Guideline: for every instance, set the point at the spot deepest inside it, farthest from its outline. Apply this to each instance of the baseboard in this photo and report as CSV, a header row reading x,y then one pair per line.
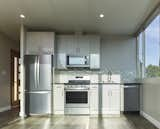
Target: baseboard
x,y
110,112
131,112
56,112
151,119
2,109
73,111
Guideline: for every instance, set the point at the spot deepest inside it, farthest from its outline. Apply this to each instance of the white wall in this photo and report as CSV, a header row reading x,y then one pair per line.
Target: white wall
x,y
118,54
5,46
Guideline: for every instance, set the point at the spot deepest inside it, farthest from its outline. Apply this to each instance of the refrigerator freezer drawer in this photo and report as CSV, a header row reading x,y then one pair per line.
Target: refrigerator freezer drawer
x,y
38,103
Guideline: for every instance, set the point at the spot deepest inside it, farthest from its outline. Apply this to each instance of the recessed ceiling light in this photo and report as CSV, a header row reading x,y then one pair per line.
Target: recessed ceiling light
x,y
22,16
101,15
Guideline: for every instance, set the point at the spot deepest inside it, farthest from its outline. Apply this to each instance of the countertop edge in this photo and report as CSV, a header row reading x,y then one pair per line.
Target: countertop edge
x,y
101,83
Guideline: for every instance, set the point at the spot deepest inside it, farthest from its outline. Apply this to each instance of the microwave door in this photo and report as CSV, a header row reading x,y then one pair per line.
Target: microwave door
x,y
76,61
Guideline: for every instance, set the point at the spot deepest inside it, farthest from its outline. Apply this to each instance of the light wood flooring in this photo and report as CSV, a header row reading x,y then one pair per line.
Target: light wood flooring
x,y
130,121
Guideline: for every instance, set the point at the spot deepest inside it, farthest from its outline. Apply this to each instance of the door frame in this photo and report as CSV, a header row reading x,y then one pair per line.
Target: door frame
x,y
13,53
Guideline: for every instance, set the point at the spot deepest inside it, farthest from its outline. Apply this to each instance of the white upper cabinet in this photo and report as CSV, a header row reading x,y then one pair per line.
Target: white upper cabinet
x,y
40,43
73,45
94,44
61,61
83,45
66,44
94,52
95,61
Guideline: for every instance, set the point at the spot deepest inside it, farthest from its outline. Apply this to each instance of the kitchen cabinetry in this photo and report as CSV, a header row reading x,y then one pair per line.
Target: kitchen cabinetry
x,y
78,45
58,99
40,43
110,99
94,100
73,45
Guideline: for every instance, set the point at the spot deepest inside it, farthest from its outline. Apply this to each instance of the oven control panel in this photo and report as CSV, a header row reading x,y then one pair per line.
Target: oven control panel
x,y
66,87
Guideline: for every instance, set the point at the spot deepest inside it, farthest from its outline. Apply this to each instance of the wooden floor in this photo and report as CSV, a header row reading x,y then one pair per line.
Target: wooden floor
x,y
82,122
8,116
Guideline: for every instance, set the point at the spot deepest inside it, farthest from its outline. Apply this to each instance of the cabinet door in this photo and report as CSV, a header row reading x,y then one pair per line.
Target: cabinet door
x,y
115,100
71,44
105,98
66,44
40,43
94,52
61,46
94,99
83,46
61,61
59,98
94,61
94,44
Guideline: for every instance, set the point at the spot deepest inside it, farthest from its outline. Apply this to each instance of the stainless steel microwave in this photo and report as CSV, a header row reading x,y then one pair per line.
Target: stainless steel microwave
x,y
77,61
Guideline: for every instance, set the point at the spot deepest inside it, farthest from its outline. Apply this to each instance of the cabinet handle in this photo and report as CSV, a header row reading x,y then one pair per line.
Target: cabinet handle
x,y
111,93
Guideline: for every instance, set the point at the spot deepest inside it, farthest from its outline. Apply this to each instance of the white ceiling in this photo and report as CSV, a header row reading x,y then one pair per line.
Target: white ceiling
x,y
121,17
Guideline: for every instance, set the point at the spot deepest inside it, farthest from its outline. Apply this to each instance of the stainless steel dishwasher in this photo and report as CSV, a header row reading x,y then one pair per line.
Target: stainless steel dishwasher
x,y
131,97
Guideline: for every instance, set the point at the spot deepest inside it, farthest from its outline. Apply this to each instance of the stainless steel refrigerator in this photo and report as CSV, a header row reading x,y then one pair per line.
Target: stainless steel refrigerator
x,y
38,83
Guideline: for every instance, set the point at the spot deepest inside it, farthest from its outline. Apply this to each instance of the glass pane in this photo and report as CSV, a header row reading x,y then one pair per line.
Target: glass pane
x,y
15,78
77,97
152,48
76,60
140,44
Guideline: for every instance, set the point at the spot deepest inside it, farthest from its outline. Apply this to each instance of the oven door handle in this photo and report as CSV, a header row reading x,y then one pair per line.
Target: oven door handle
x,y
76,89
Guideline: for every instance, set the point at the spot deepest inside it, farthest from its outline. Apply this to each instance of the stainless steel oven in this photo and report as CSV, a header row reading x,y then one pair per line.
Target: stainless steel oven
x,y
77,97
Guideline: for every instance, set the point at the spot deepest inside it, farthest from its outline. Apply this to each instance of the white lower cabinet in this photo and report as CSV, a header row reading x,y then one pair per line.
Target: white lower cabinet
x,y
110,99
104,99
94,99
58,99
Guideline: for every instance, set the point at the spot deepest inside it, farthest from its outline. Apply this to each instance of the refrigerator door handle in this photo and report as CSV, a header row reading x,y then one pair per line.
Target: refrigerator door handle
x,y
38,71
38,92
35,72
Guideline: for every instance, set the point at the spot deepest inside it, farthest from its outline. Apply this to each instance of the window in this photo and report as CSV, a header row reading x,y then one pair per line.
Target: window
x,y
152,48
140,57
140,47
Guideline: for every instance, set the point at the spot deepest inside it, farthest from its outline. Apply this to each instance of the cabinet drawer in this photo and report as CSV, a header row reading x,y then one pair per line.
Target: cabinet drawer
x,y
111,86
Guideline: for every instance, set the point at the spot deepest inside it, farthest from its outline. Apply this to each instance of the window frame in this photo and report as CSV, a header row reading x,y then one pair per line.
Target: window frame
x,y
142,74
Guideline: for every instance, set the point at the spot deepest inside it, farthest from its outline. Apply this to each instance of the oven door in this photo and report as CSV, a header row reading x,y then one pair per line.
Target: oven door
x,y
76,98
